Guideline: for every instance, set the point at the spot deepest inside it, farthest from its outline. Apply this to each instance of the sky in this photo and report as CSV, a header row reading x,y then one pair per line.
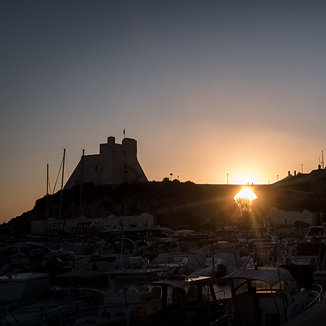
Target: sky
x,y
214,92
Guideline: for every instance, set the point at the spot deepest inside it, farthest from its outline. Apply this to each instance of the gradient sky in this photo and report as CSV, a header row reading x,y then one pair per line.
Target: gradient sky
x,y
213,91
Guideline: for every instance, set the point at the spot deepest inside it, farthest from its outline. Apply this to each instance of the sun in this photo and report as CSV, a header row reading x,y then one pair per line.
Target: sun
x,y
246,193
244,199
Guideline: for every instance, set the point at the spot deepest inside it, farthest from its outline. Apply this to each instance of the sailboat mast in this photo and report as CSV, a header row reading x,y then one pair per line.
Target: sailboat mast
x,y
81,184
47,192
62,178
46,198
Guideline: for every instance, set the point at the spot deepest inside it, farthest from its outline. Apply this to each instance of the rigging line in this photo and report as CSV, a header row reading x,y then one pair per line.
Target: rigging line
x,y
56,181
50,192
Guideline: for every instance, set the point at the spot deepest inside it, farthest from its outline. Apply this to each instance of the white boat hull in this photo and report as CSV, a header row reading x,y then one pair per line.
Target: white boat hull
x,y
23,286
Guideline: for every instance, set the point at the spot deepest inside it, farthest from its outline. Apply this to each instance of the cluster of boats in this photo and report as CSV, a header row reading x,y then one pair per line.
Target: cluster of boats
x,y
161,277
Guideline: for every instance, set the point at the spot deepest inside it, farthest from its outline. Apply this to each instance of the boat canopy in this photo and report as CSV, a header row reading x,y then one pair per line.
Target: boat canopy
x,y
270,275
182,281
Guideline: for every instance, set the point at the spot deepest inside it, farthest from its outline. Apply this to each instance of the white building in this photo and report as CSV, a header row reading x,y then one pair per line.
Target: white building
x,y
111,222
277,216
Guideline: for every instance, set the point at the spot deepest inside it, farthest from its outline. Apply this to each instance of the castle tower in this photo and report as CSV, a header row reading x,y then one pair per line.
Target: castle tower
x,y
115,164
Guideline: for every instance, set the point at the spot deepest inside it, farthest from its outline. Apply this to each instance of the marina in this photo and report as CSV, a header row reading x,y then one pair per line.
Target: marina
x,y
149,278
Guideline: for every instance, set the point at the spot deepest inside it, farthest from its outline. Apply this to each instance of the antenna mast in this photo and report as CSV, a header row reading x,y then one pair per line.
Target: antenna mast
x,y
322,159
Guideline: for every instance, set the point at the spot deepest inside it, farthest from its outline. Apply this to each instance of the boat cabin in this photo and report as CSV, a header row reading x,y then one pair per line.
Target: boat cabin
x,y
264,296
192,300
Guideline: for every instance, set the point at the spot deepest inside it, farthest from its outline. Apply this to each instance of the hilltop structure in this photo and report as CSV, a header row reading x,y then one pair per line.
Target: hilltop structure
x,y
115,164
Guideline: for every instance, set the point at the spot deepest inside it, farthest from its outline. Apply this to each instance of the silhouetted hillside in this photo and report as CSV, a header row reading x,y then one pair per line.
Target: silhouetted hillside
x,y
305,181
179,204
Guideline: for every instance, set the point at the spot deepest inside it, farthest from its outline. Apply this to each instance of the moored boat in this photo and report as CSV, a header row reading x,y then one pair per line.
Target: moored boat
x,y
267,296
184,300
21,286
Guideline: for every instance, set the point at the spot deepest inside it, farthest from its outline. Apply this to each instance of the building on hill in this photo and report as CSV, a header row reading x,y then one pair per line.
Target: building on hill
x,y
279,217
115,164
94,225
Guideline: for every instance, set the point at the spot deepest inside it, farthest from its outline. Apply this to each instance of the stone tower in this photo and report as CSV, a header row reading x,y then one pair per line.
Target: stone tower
x,y
116,163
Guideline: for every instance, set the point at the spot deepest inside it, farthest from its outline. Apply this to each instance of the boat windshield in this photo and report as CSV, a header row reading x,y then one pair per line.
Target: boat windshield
x,y
244,286
189,293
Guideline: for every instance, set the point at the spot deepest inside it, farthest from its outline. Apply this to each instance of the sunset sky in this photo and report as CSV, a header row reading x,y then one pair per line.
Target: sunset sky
x,y
213,91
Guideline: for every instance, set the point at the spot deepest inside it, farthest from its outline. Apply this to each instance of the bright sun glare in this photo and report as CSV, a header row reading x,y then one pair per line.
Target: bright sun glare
x,y
244,198
245,193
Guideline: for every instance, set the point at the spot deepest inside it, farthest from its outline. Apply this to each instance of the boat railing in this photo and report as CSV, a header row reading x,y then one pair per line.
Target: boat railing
x,y
222,315
67,312
205,313
10,306
316,294
14,312
115,311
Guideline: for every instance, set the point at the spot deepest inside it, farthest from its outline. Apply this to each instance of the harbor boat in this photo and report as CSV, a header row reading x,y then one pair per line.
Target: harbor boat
x,y
54,307
319,275
222,262
140,297
22,286
118,251
127,288
27,256
267,296
316,234
183,300
180,262
266,253
305,261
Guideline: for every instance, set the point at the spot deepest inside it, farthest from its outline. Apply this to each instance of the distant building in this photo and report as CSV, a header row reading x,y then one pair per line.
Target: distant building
x,y
109,223
116,163
281,217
